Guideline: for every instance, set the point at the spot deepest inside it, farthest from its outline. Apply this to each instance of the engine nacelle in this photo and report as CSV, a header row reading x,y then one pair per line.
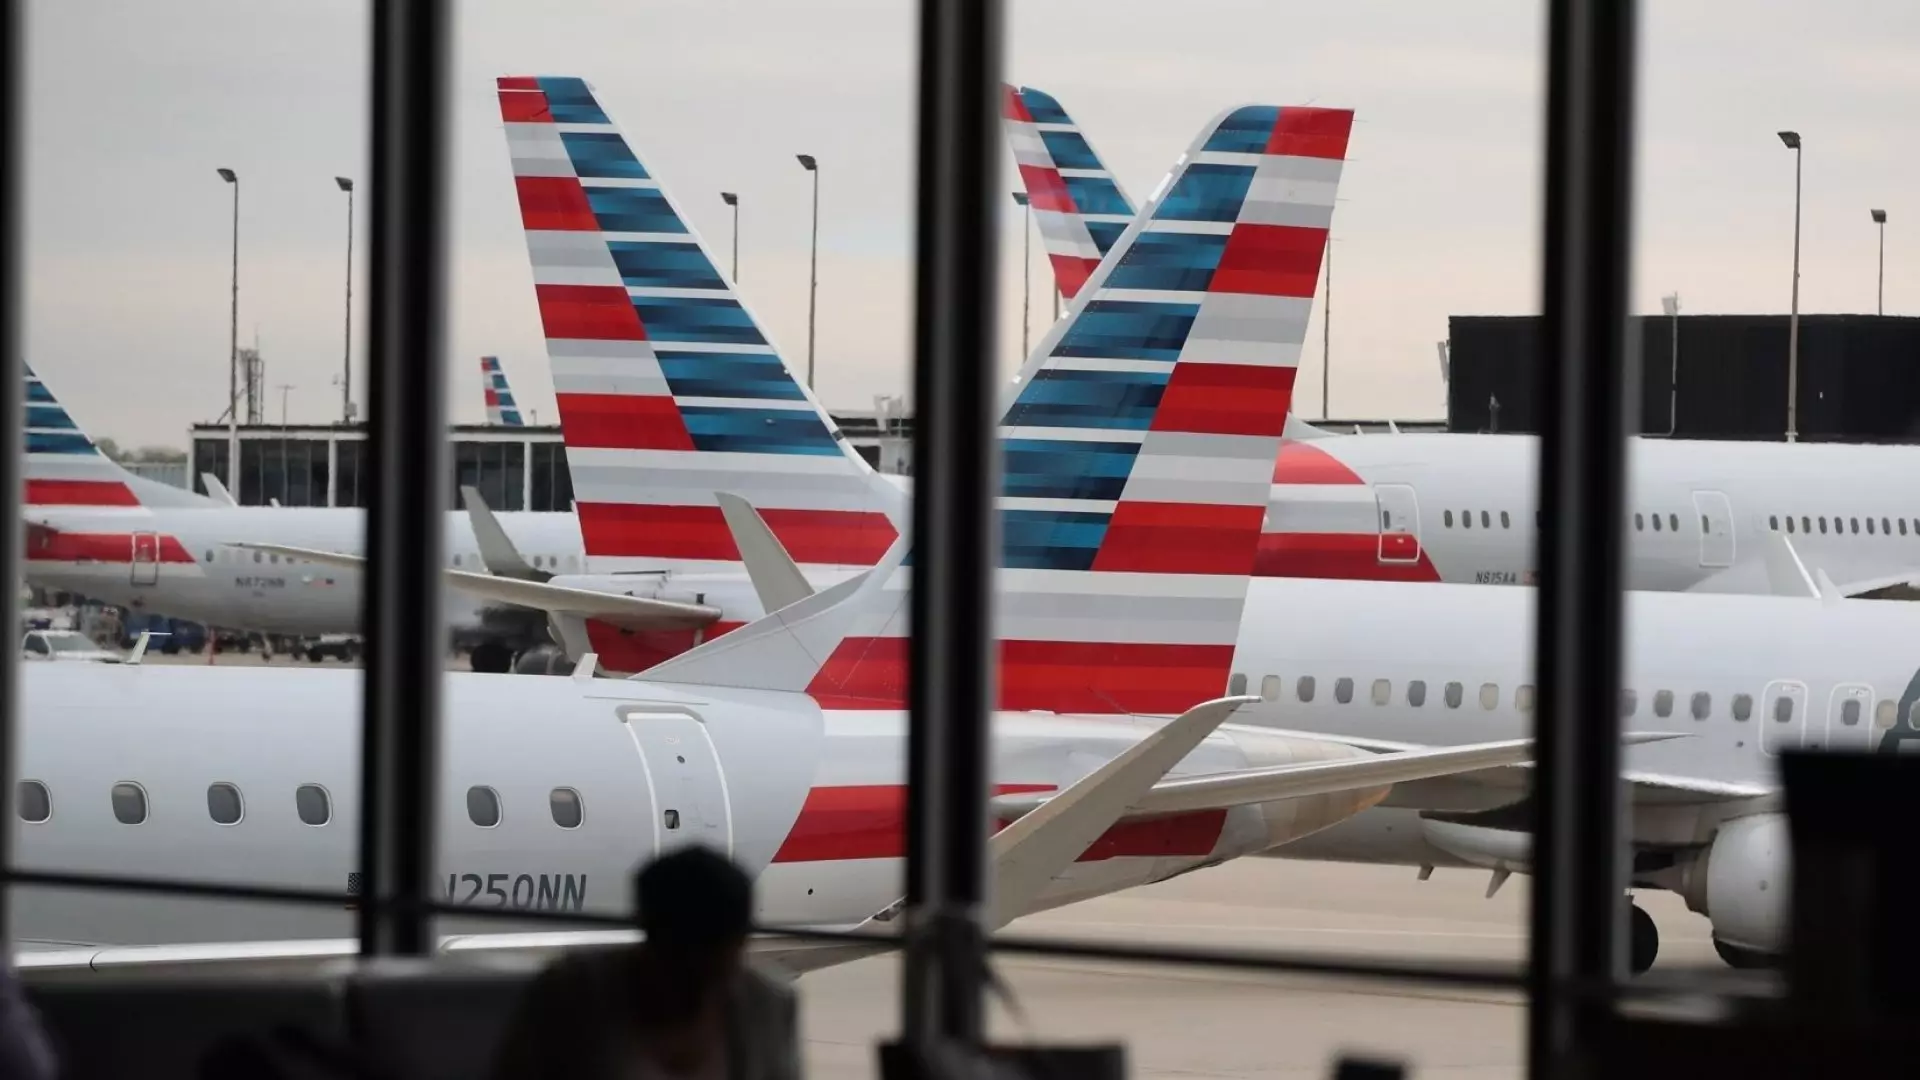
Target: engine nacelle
x,y
1740,883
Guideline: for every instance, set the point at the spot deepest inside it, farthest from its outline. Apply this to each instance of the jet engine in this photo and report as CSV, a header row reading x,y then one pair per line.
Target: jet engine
x,y
1740,883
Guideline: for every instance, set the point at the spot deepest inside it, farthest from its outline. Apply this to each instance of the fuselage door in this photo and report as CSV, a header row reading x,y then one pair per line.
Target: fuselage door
x,y
1783,716
1399,523
690,804
1715,512
146,558
1850,718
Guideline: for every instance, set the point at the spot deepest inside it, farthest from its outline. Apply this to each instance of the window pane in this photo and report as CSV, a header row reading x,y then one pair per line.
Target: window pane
x,y
1783,710
223,804
1629,702
36,802
1417,693
129,803
1663,703
1505,522
1673,522
1303,687
1446,517
1455,693
1640,522
1270,688
1850,712
564,803
1656,523
313,803
1343,690
1489,695
1523,698
1743,703
1885,713
1236,684
1702,705
483,806
1382,691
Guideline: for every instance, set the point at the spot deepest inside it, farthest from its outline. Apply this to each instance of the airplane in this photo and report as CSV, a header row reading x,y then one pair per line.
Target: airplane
x,y
501,411
780,743
1462,507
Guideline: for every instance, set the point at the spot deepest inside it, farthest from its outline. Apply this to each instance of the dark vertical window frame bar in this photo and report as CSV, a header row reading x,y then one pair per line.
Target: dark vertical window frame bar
x,y
13,415
406,449
955,521
1579,885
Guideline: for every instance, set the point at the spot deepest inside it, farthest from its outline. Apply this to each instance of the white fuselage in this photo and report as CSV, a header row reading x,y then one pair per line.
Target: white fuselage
x,y
551,791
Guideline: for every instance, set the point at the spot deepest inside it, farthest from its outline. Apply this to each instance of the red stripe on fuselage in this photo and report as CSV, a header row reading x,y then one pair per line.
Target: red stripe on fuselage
x,y
54,545
1340,556
80,493
868,821
1105,678
830,537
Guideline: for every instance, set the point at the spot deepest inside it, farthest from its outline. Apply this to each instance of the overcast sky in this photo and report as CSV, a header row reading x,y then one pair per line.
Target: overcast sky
x,y
134,104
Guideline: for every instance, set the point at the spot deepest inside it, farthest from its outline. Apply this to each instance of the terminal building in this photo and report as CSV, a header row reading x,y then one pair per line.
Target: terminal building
x,y
513,468
1710,376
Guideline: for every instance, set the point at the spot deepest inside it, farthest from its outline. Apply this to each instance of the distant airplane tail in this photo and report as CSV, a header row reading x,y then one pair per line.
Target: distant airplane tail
x,y
1137,455
65,468
501,410
668,389
1077,203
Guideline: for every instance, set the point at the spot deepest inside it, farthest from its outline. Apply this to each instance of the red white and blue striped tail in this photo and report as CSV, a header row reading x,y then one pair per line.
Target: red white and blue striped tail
x,y
501,408
65,468
667,387
1137,454
1077,204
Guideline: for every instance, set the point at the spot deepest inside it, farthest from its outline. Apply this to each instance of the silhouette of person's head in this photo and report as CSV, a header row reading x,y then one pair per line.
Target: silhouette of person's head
x,y
695,907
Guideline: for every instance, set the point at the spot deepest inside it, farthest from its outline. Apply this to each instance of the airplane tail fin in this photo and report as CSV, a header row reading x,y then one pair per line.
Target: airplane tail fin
x,y
64,467
1077,203
668,389
501,410
1137,457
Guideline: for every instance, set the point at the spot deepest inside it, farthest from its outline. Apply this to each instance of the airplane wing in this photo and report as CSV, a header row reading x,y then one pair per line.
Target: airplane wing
x,y
626,612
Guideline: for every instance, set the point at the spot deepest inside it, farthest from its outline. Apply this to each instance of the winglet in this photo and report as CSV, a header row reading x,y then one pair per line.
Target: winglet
x,y
584,670
1786,574
776,577
497,552
217,489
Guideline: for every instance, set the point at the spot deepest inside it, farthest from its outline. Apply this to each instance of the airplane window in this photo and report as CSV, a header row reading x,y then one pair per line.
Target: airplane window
x,y
1270,688
313,803
1236,684
1704,527
1869,526
1885,713
1773,522
1466,519
1673,522
1783,710
1806,524
1303,687
1386,520
1743,703
1663,703
209,556
1629,703
483,806
129,803
1453,694
1489,695
1789,522
256,556
1639,523
456,561
1823,525
672,818
1417,693
1656,523
1855,522
564,803
1702,706
1505,522
1446,518
223,804
38,647
1523,698
1886,527
1486,520
1382,691
1343,690
1850,712
36,802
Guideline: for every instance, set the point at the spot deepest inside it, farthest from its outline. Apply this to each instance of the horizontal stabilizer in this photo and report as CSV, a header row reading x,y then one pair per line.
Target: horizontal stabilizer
x,y
1243,787
626,612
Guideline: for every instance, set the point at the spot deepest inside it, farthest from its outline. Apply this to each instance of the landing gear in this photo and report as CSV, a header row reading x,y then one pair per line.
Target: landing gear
x,y
491,657
1643,939
1742,958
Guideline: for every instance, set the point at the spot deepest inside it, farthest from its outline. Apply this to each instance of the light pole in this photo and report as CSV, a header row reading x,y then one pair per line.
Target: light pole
x,y
1880,293
733,200
1672,305
233,339
1026,271
1792,141
813,259
283,388
1326,333
346,350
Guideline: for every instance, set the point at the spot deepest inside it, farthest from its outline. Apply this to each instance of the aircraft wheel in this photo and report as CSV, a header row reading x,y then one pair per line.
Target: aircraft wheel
x,y
1741,958
491,657
1643,940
